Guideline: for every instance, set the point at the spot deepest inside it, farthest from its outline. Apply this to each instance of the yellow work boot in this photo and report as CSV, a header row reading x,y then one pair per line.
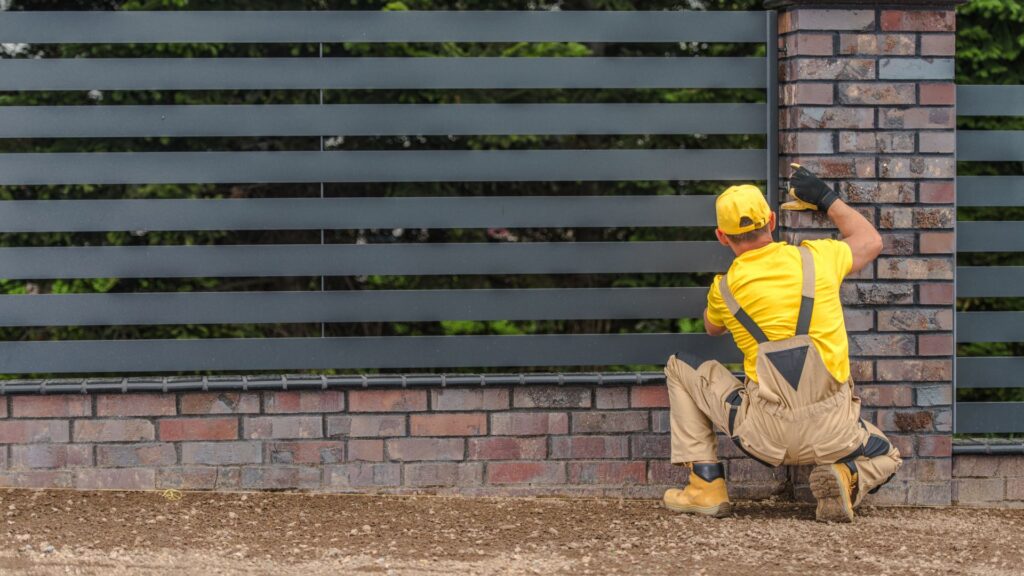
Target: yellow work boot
x,y
834,486
705,494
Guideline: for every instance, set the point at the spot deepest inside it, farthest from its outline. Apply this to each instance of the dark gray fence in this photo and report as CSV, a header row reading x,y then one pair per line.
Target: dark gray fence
x,y
990,281
370,73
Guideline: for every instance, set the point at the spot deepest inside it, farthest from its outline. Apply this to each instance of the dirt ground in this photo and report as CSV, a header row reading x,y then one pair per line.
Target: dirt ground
x,y
64,532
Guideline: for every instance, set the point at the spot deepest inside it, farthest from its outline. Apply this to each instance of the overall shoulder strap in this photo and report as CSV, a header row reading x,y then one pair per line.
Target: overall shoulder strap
x,y
741,316
803,322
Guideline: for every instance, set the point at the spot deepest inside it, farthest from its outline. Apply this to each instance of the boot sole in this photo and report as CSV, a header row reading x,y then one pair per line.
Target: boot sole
x,y
721,511
833,498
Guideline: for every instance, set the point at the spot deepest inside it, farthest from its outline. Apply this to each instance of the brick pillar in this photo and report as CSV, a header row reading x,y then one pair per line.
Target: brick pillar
x,y
867,102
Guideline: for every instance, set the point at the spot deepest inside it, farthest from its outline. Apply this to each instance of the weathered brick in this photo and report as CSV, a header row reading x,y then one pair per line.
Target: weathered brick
x,y
889,218
935,344
918,20
526,473
876,93
366,450
361,426
903,268
870,293
937,142
362,475
976,465
891,395
220,403
221,453
651,446
508,448
796,93
294,401
894,493
905,420
745,470
1015,489
136,455
280,478
453,399
663,473
915,319
187,477
806,143
808,44
306,452
885,142
937,243
836,167
661,421
606,398
829,69
142,404
935,294
35,479
589,447
876,192
51,456
52,406
410,449
551,397
823,19
176,429
978,490
444,474
915,69
387,400
617,473
904,443
131,430
3,406
935,446
917,118
882,345
649,396
937,93
115,479
256,427
858,320
914,370
934,395
450,424
916,167
937,192
591,422
862,370
529,423
929,494
813,117
33,431
877,44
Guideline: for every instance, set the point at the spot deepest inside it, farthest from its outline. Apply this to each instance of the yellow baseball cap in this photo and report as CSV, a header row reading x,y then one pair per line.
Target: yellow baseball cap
x,y
737,202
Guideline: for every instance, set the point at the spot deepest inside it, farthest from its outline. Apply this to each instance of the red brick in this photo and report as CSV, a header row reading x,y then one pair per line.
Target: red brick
x,y
936,294
306,452
53,406
914,370
937,243
115,479
903,268
937,142
915,319
877,44
362,475
221,453
804,117
529,423
651,446
471,424
387,400
280,478
829,69
885,396
937,192
220,403
33,431
444,474
898,244
586,422
862,370
611,398
876,192
452,399
882,345
551,397
917,118
663,473
133,430
818,19
616,473
526,473
935,344
650,396
256,427
935,446
142,404
589,447
918,20
366,450
295,401
187,477
806,142
875,93
35,479
508,448
903,443
806,44
176,429
796,93
406,449
365,426
937,94
660,421
136,455
51,456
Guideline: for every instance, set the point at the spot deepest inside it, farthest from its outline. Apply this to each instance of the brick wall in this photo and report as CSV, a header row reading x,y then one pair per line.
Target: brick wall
x,y
988,480
495,440
867,101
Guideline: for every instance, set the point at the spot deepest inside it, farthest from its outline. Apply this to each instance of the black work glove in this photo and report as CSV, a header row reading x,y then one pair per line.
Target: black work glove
x,y
808,191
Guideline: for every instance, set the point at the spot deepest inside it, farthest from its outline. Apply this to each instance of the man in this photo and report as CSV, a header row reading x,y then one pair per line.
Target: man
x,y
781,304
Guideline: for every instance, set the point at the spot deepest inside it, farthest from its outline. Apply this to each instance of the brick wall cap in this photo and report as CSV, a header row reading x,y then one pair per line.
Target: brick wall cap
x,y
775,4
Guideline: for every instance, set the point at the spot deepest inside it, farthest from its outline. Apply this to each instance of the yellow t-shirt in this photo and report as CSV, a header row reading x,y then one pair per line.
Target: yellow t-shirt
x,y
766,283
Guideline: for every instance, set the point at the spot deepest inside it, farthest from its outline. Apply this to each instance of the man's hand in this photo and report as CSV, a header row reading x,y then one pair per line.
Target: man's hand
x,y
808,191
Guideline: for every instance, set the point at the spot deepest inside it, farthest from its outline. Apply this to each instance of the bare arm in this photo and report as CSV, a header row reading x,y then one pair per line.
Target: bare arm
x,y
865,242
712,329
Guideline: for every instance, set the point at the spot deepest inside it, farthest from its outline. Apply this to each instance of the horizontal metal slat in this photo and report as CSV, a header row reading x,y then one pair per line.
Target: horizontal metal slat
x,y
989,281
990,100
989,372
108,356
1005,326
989,417
378,120
390,166
990,236
377,26
379,73
990,191
349,306
990,146
350,260
355,213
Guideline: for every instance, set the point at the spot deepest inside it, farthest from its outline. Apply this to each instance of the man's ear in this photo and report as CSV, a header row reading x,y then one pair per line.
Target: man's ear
x,y
771,222
721,238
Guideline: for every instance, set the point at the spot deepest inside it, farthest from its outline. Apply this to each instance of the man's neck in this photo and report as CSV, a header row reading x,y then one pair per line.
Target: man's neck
x,y
760,243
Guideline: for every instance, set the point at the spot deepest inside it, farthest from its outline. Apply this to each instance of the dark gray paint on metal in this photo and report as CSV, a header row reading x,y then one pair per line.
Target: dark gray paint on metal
x,y
354,352
376,26
355,213
772,108
349,306
389,166
990,146
347,260
990,190
989,372
1002,326
378,119
989,281
379,73
990,100
989,417
990,236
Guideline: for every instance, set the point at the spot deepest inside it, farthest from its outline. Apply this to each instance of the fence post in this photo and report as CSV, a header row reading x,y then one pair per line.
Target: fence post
x,y
867,101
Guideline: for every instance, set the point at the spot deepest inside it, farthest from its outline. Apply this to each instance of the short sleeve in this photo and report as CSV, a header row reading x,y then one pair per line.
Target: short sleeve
x,y
716,304
833,255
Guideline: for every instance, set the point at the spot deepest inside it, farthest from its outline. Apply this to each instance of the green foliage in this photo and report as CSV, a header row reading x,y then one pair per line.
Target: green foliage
x,y
990,42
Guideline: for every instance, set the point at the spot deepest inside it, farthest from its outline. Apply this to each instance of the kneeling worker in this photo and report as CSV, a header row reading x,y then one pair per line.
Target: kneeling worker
x,y
797,405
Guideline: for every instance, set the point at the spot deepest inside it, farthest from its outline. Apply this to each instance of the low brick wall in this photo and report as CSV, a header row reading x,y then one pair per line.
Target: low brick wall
x,y
530,440
988,481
